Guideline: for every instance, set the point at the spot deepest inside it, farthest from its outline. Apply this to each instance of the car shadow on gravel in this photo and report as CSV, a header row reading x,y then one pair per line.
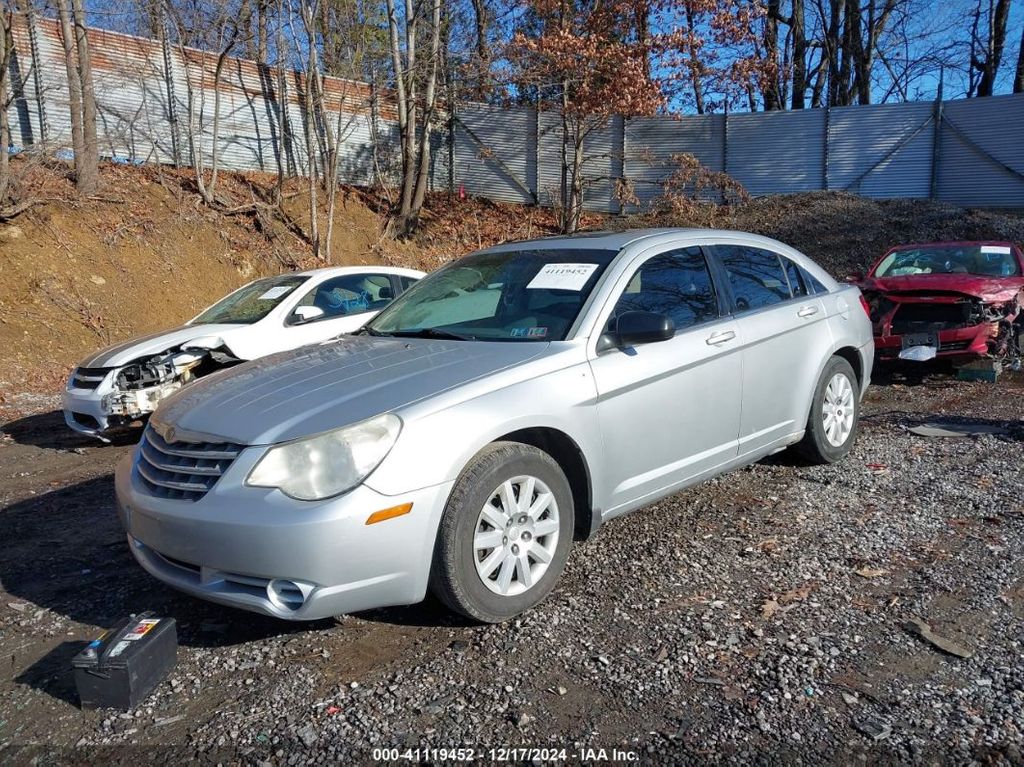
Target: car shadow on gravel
x,y
48,430
65,551
430,613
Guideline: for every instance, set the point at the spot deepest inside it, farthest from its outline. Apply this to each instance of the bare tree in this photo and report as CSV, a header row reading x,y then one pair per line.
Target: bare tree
x,y
227,29
988,39
6,51
74,82
1018,80
86,172
262,31
414,114
309,99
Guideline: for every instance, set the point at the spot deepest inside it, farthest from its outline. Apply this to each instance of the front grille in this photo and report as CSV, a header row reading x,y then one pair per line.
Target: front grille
x,y
182,470
916,318
88,378
954,346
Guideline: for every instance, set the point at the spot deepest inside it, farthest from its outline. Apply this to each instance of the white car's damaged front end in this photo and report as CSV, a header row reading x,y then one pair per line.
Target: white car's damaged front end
x,y
116,389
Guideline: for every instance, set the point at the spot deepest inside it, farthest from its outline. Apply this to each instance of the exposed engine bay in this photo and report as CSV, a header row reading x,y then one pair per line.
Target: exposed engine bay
x,y
139,386
123,395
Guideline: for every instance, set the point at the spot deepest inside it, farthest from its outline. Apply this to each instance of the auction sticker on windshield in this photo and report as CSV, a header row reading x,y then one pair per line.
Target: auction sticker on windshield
x,y
1002,249
277,292
562,276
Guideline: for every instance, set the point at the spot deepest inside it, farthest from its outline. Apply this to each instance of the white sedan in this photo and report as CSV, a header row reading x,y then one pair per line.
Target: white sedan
x,y
123,384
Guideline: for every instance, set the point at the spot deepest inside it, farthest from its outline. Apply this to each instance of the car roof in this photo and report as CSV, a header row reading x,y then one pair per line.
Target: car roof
x,y
951,244
369,268
621,239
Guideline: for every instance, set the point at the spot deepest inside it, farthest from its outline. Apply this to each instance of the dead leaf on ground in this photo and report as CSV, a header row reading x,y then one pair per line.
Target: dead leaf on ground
x,y
769,608
799,594
871,572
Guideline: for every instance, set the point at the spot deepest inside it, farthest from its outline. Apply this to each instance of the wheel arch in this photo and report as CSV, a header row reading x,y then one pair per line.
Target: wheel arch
x,y
568,455
851,355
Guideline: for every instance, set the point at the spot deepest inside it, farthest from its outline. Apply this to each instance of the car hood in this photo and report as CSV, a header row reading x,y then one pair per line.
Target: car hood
x,y
155,343
985,288
316,388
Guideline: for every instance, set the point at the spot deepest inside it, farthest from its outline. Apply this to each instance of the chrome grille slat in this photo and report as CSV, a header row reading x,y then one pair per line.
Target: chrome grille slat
x,y
157,460
192,487
207,450
182,470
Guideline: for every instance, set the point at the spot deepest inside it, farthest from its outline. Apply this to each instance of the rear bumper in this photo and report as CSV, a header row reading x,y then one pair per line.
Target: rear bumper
x,y
258,550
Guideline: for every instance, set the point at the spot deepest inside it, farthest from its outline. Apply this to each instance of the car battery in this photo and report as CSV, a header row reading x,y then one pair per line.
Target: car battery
x,y
122,667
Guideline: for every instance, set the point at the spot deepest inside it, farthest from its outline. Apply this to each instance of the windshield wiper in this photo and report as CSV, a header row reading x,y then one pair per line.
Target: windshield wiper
x,y
430,333
366,330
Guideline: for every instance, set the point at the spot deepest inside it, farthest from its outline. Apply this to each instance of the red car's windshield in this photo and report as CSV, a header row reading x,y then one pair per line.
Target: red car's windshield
x,y
986,260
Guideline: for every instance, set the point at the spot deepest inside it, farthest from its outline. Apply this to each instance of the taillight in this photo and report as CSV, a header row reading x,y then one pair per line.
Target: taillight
x,y
867,307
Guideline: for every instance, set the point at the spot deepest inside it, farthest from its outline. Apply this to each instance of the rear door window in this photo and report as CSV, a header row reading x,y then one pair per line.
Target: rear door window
x,y
756,276
797,286
677,284
813,284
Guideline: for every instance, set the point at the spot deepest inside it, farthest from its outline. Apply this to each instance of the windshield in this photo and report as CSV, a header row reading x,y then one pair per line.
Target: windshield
x,y
251,303
987,260
522,295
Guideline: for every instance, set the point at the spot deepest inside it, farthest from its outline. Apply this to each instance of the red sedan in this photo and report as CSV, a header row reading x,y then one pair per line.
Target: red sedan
x,y
958,300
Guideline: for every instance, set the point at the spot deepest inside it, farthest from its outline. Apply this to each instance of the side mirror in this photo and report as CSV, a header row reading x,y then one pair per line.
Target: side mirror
x,y
635,328
304,314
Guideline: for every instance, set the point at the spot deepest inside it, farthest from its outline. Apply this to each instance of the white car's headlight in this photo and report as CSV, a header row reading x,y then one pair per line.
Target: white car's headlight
x,y
328,464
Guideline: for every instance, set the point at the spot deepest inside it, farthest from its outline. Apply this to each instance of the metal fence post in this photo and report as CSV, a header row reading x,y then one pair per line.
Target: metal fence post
x,y
725,141
618,163
933,186
451,146
824,154
535,181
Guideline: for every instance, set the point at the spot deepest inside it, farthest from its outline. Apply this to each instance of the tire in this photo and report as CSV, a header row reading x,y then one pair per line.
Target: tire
x,y
517,577
819,444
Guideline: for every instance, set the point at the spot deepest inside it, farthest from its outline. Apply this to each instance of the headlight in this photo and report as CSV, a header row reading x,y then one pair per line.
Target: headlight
x,y
328,464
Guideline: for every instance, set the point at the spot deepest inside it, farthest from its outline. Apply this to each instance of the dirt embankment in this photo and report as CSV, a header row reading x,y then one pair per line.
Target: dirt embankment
x,y
145,254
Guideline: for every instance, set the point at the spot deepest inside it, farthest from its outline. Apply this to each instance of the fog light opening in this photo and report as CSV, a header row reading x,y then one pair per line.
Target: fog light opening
x,y
285,594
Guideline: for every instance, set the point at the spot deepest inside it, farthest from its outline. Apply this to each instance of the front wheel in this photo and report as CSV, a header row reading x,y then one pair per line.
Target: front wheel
x,y
505,533
835,415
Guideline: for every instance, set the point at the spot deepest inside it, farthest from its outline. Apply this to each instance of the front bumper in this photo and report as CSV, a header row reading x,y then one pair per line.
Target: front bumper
x,y
84,412
89,411
259,550
968,342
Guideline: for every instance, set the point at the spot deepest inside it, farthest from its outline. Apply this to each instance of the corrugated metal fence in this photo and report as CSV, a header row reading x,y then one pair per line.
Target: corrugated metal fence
x,y
153,97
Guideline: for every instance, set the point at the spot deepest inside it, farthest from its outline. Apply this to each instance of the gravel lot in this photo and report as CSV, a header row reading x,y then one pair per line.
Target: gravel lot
x,y
758,617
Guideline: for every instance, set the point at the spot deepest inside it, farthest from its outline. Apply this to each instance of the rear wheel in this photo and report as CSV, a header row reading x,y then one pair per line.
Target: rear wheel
x,y
835,415
505,533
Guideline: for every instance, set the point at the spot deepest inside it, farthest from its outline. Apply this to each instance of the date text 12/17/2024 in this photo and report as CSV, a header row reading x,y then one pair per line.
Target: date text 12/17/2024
x,y
505,754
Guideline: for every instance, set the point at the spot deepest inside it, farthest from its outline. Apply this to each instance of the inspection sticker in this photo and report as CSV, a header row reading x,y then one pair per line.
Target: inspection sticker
x,y
1004,249
562,276
141,629
277,292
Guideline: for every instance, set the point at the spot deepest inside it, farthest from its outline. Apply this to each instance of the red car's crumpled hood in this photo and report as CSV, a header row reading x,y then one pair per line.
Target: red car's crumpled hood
x,y
985,288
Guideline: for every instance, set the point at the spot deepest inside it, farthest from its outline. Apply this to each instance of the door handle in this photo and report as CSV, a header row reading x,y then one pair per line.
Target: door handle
x,y
807,311
720,338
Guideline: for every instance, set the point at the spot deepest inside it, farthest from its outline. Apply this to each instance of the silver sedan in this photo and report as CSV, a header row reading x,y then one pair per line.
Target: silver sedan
x,y
505,406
